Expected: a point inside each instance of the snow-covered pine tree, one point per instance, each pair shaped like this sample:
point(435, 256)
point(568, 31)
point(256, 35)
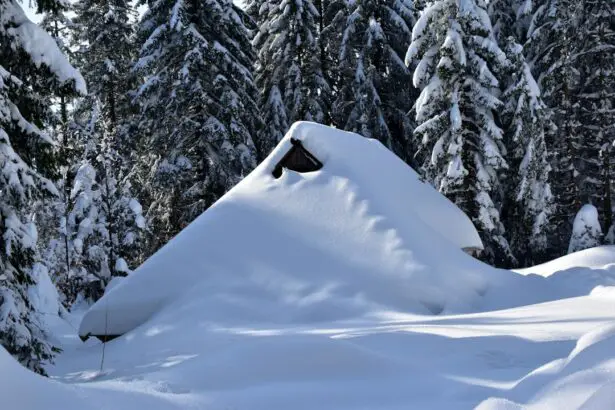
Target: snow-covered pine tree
point(595, 98)
point(51, 211)
point(525, 121)
point(586, 230)
point(86, 239)
point(58, 24)
point(567, 46)
point(461, 144)
point(547, 50)
point(511, 18)
point(32, 69)
point(530, 201)
point(101, 225)
point(104, 39)
point(289, 70)
point(335, 15)
point(197, 109)
point(374, 93)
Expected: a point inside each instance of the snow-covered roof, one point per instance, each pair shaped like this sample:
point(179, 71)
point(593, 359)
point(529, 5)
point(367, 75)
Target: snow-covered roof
point(363, 230)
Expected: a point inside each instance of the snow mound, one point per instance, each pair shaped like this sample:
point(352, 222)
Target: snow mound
point(586, 230)
point(592, 346)
point(607, 292)
point(583, 380)
point(603, 398)
point(43, 295)
point(22, 389)
point(593, 258)
point(360, 236)
point(579, 273)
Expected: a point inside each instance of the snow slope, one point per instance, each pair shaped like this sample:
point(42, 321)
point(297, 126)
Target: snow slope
point(363, 234)
point(594, 258)
point(497, 359)
point(580, 272)
point(557, 354)
point(310, 293)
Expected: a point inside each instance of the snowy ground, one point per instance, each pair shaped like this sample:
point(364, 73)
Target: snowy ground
point(333, 290)
point(557, 354)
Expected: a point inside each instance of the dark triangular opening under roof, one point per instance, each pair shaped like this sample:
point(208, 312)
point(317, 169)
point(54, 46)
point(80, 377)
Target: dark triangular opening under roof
point(297, 159)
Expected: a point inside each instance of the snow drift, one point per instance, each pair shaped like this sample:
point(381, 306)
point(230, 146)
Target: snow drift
point(583, 380)
point(600, 257)
point(360, 236)
point(190, 356)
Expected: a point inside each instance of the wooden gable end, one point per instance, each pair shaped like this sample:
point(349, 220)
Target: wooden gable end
point(297, 159)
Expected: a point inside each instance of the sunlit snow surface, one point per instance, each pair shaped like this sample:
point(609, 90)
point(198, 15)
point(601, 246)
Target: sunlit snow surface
point(558, 354)
point(361, 235)
point(328, 304)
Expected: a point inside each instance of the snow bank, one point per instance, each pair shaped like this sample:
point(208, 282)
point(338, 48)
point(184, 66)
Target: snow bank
point(579, 273)
point(22, 389)
point(361, 235)
point(595, 258)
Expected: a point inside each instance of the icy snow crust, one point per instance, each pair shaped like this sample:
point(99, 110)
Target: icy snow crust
point(362, 235)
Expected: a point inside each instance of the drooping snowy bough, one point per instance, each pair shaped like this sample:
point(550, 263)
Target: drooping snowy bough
point(32, 71)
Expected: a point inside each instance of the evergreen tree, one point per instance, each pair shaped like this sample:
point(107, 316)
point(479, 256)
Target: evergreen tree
point(85, 247)
point(289, 70)
point(32, 69)
point(511, 19)
point(568, 43)
point(525, 120)
point(59, 25)
point(198, 113)
point(461, 145)
point(101, 224)
point(105, 50)
point(529, 204)
point(374, 93)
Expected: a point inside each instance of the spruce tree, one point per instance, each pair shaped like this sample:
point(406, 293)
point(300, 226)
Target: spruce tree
point(594, 98)
point(525, 121)
point(374, 91)
point(529, 199)
point(458, 63)
point(85, 250)
point(100, 221)
point(58, 24)
point(105, 52)
point(289, 70)
point(32, 70)
point(198, 113)
point(568, 48)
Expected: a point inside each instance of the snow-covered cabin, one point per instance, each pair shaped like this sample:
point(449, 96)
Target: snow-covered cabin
point(328, 210)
